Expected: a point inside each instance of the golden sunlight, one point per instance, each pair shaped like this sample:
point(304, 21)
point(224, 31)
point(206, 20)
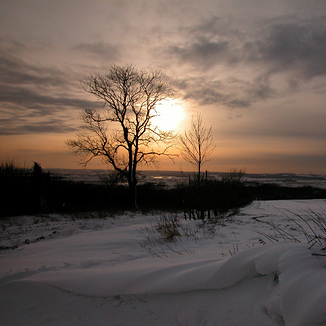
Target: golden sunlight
point(169, 115)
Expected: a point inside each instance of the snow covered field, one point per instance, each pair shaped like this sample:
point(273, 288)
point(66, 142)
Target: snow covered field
point(121, 270)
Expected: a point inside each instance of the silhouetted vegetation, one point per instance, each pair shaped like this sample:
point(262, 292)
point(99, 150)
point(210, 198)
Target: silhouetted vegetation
point(196, 144)
point(32, 191)
point(130, 97)
point(208, 198)
point(261, 191)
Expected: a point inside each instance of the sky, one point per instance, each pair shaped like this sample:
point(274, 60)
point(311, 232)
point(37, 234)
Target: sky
point(256, 70)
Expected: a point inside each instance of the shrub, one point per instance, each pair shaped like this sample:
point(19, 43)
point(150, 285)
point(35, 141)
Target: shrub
point(311, 224)
point(209, 198)
point(168, 226)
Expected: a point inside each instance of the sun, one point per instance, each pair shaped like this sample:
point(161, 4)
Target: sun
point(169, 115)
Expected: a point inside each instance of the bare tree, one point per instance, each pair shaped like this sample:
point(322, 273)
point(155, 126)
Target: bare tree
point(196, 144)
point(235, 176)
point(122, 133)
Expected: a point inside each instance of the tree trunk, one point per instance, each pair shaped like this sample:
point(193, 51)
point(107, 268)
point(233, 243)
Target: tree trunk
point(199, 173)
point(133, 194)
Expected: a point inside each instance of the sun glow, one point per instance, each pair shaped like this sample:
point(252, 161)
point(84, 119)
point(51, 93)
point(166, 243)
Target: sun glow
point(169, 115)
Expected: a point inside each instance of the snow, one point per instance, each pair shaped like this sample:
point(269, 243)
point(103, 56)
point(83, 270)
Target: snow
point(120, 271)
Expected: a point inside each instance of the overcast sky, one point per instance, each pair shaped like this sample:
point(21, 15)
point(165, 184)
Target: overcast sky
point(255, 69)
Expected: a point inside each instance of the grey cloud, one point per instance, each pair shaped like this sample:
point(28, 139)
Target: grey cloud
point(46, 104)
point(300, 47)
point(216, 26)
point(16, 71)
point(202, 52)
point(21, 127)
point(209, 43)
point(213, 36)
point(28, 92)
point(290, 46)
point(285, 42)
point(233, 93)
point(260, 89)
point(99, 50)
point(22, 105)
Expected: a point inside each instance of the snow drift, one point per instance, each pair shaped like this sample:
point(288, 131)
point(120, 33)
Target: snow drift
point(101, 277)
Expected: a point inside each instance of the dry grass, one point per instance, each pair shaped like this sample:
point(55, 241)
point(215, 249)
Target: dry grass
point(310, 224)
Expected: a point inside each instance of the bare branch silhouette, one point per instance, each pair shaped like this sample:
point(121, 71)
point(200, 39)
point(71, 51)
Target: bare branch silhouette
point(196, 144)
point(122, 133)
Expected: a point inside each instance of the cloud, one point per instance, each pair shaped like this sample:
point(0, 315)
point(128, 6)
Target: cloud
point(209, 43)
point(22, 126)
point(229, 92)
point(297, 46)
point(202, 52)
point(99, 50)
point(16, 71)
point(285, 48)
point(27, 98)
point(214, 26)
point(34, 92)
